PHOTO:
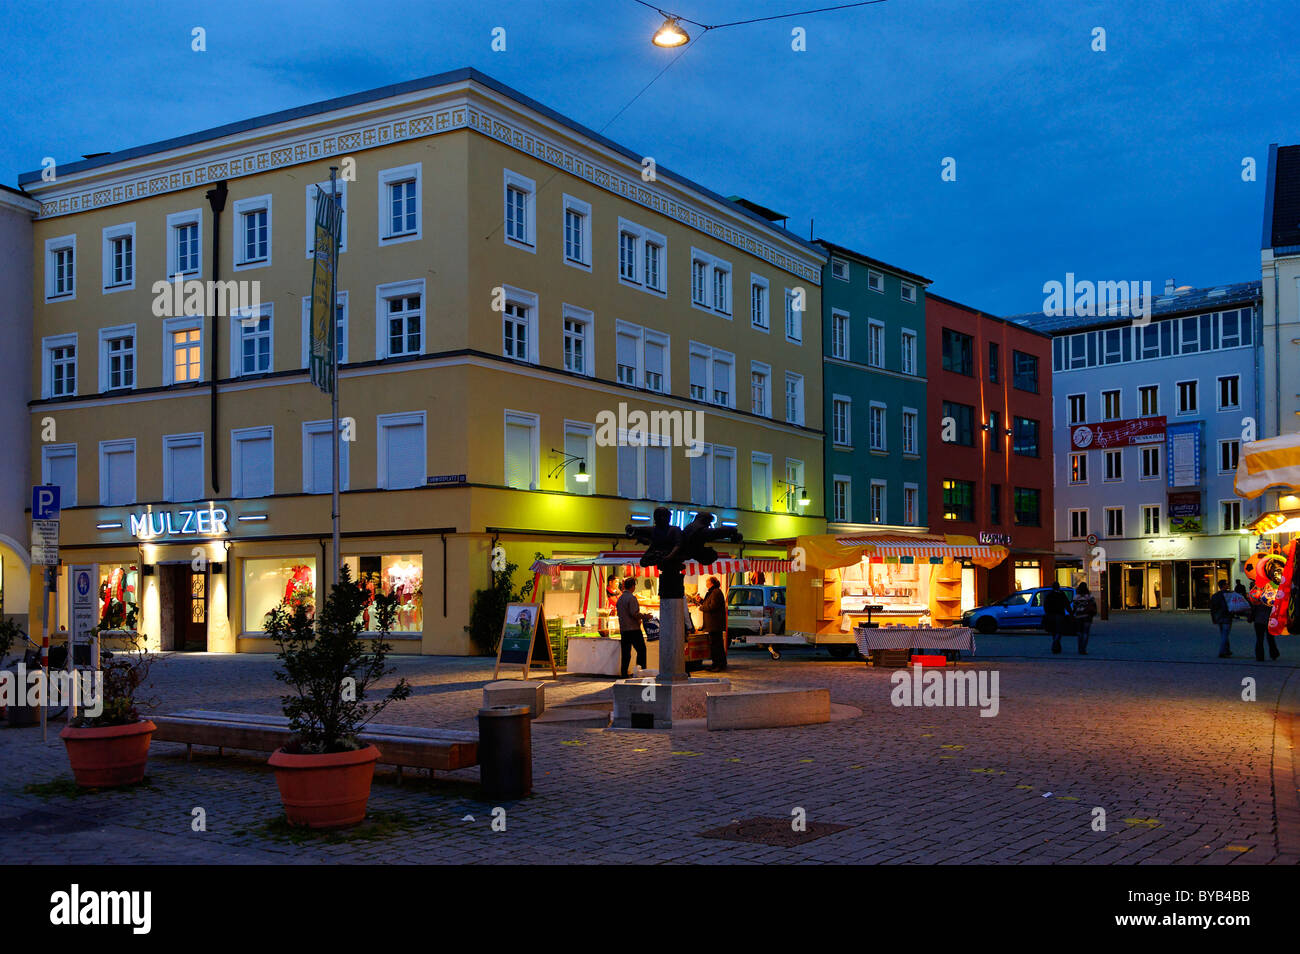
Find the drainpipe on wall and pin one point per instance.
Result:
(217, 201)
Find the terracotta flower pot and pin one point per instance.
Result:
(108, 756)
(325, 791)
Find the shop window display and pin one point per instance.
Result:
(270, 582)
(119, 596)
(400, 575)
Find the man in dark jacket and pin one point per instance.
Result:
(1221, 616)
(714, 612)
(1055, 605)
(1260, 612)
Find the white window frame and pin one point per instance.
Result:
(1070, 416)
(578, 206)
(1106, 525)
(265, 310)
(641, 237)
(534, 424)
(1222, 444)
(847, 482)
(513, 180)
(792, 378)
(48, 344)
(876, 281)
(1223, 523)
(49, 451)
(1155, 393)
(874, 408)
(793, 317)
(310, 428)
(914, 492)
(170, 327)
(841, 346)
(713, 265)
(877, 484)
(794, 474)
(1119, 404)
(844, 273)
(114, 334)
(762, 321)
(758, 457)
(310, 191)
(111, 234)
(1081, 456)
(912, 447)
(52, 247)
(237, 437)
(1144, 509)
(413, 172)
(1108, 455)
(340, 301)
(117, 447)
(760, 367)
(586, 430)
(1178, 392)
(399, 419)
(638, 447)
(242, 207)
(712, 357)
(175, 221)
(1074, 513)
(1219, 396)
(875, 343)
(398, 290)
(907, 356)
(848, 420)
(170, 442)
(587, 319)
(1142, 465)
(903, 289)
(521, 298)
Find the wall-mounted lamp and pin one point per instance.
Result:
(218, 569)
(801, 493)
(146, 569)
(581, 476)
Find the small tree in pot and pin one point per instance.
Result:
(324, 772)
(108, 742)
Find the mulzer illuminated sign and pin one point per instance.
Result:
(152, 524)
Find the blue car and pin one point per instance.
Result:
(1021, 610)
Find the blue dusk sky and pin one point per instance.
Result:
(1116, 165)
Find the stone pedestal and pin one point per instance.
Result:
(672, 641)
(650, 704)
(516, 692)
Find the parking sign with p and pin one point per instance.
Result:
(45, 502)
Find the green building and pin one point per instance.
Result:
(873, 382)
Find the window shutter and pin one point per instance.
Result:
(721, 480)
(656, 465)
(761, 485)
(700, 479)
(627, 472)
(119, 477)
(63, 472)
(187, 471)
(256, 467)
(405, 456)
(627, 350)
(699, 371)
(654, 358)
(519, 447)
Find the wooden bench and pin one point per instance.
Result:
(399, 745)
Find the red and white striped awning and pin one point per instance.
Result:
(625, 565)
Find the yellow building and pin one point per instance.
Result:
(512, 287)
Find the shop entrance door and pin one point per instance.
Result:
(1135, 584)
(190, 606)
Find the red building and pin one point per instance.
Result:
(990, 442)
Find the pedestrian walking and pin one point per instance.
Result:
(629, 628)
(1221, 616)
(1259, 616)
(1055, 607)
(1084, 610)
(714, 613)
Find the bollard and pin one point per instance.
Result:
(505, 751)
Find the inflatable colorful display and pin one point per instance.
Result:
(1285, 617)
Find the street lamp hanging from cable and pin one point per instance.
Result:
(671, 35)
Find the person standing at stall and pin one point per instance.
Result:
(714, 613)
(1259, 613)
(629, 628)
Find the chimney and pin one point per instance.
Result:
(1169, 286)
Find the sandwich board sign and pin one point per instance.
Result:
(523, 640)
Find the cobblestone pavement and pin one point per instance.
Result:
(1150, 726)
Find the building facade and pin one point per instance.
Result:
(988, 442)
(16, 231)
(1148, 423)
(874, 392)
(514, 292)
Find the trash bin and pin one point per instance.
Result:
(505, 751)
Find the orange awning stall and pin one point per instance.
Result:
(830, 551)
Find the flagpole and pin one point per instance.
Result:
(336, 558)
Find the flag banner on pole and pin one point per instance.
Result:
(324, 262)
